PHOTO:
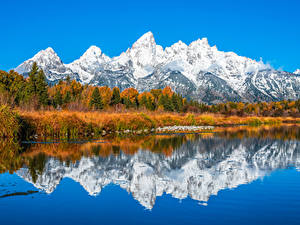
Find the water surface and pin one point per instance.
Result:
(237, 176)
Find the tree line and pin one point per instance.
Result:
(34, 93)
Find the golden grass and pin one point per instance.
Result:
(10, 126)
(68, 124)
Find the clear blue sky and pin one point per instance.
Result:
(254, 28)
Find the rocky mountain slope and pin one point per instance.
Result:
(197, 70)
(197, 169)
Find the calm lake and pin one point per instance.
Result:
(239, 175)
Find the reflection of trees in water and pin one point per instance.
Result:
(36, 165)
(198, 167)
(288, 132)
(10, 158)
(13, 155)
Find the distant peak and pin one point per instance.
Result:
(92, 55)
(93, 50)
(180, 44)
(146, 39)
(49, 49)
(297, 71)
(149, 34)
(202, 42)
(46, 53)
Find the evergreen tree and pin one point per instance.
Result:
(96, 100)
(115, 99)
(150, 105)
(42, 88)
(143, 101)
(136, 104)
(68, 80)
(166, 102)
(127, 102)
(67, 97)
(177, 102)
(58, 99)
(30, 89)
(161, 100)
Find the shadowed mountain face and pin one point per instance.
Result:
(197, 168)
(197, 70)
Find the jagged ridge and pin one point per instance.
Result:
(196, 70)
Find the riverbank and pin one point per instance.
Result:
(72, 125)
(66, 124)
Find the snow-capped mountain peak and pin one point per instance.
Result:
(200, 43)
(197, 70)
(89, 63)
(46, 56)
(93, 55)
(46, 59)
(145, 41)
(49, 50)
(92, 51)
(297, 71)
(145, 54)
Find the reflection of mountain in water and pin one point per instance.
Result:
(197, 169)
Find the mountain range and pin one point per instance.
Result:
(197, 70)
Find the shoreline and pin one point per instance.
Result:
(73, 125)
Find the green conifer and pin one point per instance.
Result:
(58, 98)
(67, 98)
(42, 88)
(96, 100)
(30, 89)
(115, 99)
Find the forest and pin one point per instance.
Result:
(34, 93)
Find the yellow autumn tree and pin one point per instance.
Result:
(167, 91)
(129, 93)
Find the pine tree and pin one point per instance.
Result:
(67, 98)
(96, 100)
(68, 80)
(143, 101)
(136, 104)
(30, 89)
(42, 88)
(177, 102)
(115, 99)
(127, 102)
(168, 105)
(161, 100)
(58, 98)
(150, 105)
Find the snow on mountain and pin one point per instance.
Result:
(196, 70)
(196, 169)
(44, 58)
(297, 71)
(89, 64)
(144, 55)
(52, 65)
